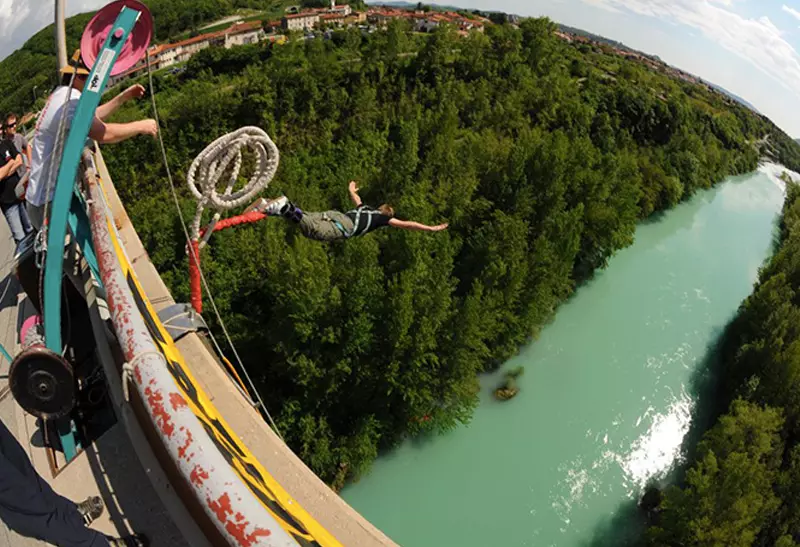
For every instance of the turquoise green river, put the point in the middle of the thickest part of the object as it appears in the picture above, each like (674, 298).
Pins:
(606, 398)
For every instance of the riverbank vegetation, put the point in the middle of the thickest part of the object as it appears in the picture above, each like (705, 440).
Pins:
(743, 487)
(542, 155)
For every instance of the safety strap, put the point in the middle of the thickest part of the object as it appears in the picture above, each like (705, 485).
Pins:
(341, 228)
(370, 213)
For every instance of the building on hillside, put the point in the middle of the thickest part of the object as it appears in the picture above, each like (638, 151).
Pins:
(381, 17)
(300, 21)
(426, 25)
(139, 68)
(332, 19)
(468, 25)
(342, 10)
(242, 34)
(564, 36)
(356, 18)
(182, 51)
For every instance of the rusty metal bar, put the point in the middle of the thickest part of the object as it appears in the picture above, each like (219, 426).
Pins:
(227, 501)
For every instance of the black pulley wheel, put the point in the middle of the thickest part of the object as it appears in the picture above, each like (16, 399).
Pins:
(42, 383)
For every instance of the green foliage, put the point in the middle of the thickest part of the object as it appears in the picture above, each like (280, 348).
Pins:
(728, 496)
(172, 17)
(540, 161)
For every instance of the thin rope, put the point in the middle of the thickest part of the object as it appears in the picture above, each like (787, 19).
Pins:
(192, 251)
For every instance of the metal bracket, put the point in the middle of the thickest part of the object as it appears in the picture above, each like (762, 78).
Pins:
(180, 320)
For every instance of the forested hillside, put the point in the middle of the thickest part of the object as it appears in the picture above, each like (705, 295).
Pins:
(31, 70)
(543, 157)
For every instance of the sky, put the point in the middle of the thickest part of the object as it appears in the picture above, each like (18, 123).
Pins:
(749, 47)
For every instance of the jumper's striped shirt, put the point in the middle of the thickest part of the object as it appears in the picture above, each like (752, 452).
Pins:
(366, 219)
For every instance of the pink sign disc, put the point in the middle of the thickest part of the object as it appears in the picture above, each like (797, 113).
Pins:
(94, 36)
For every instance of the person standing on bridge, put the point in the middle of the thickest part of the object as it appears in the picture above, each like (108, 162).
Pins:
(30, 507)
(12, 206)
(20, 143)
(335, 225)
(64, 101)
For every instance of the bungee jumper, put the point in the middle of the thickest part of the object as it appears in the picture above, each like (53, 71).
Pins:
(335, 225)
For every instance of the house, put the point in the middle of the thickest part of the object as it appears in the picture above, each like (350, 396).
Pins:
(357, 17)
(381, 17)
(344, 10)
(426, 25)
(241, 34)
(333, 19)
(182, 51)
(139, 68)
(300, 21)
(564, 36)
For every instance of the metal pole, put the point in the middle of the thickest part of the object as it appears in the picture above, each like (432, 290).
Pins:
(61, 35)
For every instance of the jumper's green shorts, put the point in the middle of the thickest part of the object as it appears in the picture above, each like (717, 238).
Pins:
(322, 226)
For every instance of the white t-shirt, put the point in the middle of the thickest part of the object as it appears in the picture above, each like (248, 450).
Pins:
(44, 141)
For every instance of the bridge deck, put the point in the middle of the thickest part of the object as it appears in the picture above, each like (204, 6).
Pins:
(109, 468)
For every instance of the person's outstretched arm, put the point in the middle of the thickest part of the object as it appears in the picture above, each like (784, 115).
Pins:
(416, 226)
(354, 193)
(133, 92)
(109, 133)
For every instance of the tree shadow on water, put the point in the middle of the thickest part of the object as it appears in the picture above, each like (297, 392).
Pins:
(705, 388)
(626, 527)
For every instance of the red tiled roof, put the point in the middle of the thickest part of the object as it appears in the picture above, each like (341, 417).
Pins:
(243, 27)
(301, 15)
(194, 40)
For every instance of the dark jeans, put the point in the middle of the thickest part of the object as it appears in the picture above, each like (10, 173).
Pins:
(18, 220)
(31, 508)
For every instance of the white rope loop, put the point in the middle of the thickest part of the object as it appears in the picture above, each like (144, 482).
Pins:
(210, 165)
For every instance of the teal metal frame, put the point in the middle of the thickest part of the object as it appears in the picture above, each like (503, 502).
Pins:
(5, 354)
(67, 206)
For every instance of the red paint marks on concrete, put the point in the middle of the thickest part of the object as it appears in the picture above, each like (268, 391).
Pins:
(222, 508)
(156, 401)
(182, 450)
(198, 475)
(245, 539)
(177, 401)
